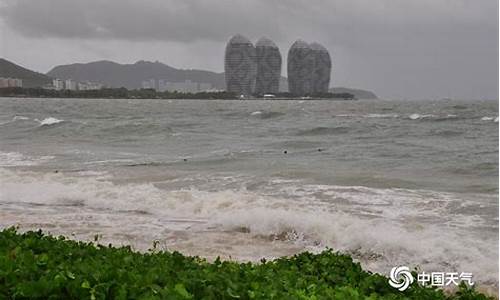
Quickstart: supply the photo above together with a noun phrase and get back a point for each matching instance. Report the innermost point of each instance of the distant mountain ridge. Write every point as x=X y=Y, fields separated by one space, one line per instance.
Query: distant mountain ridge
x=131 y=76
x=30 y=78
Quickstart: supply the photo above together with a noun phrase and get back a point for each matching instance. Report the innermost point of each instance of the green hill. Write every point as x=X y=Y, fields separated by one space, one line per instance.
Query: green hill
x=131 y=76
x=30 y=78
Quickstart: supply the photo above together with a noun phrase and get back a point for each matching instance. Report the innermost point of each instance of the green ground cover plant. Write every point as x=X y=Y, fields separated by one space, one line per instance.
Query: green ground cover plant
x=38 y=266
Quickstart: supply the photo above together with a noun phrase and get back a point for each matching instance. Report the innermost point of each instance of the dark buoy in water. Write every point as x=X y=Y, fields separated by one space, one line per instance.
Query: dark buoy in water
x=319 y=150
x=185 y=159
x=285 y=152
x=56 y=171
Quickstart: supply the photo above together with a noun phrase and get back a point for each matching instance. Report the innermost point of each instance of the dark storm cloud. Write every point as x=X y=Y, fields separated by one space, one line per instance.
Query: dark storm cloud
x=189 y=20
x=167 y=20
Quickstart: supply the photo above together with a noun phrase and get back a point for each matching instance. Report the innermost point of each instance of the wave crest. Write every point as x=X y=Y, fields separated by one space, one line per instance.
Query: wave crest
x=49 y=121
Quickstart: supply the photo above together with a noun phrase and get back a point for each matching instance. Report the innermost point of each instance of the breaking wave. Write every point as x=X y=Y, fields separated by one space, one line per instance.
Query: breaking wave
x=414 y=116
x=419 y=116
x=14 y=119
x=15 y=159
x=382 y=228
x=486 y=118
x=267 y=114
x=49 y=121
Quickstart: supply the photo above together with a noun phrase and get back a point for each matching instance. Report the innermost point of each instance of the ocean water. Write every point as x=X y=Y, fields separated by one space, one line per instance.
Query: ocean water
x=389 y=182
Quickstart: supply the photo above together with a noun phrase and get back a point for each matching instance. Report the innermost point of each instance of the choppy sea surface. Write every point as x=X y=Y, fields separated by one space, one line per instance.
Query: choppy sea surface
x=389 y=182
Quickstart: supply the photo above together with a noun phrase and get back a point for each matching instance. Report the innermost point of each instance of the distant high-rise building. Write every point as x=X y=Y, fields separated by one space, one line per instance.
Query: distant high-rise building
x=82 y=86
x=58 y=84
x=149 y=84
x=88 y=86
x=268 y=60
x=186 y=86
x=240 y=66
x=15 y=82
x=4 y=82
x=95 y=86
x=70 y=84
x=203 y=87
x=321 y=70
x=162 y=85
x=10 y=82
x=300 y=66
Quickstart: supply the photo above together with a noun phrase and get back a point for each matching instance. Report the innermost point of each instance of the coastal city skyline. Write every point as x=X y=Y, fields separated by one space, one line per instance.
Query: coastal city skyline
x=250 y=70
x=439 y=49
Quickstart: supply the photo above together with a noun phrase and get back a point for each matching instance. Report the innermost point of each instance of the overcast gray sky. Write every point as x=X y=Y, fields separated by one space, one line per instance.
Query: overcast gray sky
x=410 y=49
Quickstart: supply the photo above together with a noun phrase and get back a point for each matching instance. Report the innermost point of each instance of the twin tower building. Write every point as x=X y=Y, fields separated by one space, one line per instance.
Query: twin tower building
x=256 y=70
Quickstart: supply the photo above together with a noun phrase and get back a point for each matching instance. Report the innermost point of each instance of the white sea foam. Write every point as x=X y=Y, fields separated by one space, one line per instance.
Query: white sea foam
x=255 y=113
x=392 y=116
x=345 y=116
x=99 y=175
x=14 y=119
x=382 y=236
x=419 y=116
x=49 y=121
x=111 y=161
x=486 y=118
x=383 y=116
x=13 y=159
x=414 y=116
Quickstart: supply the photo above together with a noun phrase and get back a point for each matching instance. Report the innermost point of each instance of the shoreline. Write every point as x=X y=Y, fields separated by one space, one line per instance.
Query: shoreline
x=215 y=99
x=276 y=248
x=53 y=252
x=123 y=93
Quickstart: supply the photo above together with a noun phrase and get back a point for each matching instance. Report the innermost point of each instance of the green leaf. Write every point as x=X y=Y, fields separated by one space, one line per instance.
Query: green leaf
x=181 y=290
x=85 y=284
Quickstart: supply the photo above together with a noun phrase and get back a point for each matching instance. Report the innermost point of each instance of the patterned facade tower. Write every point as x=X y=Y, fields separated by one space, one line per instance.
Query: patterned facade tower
x=300 y=67
x=240 y=66
x=322 y=69
x=268 y=67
